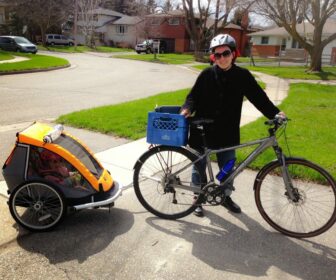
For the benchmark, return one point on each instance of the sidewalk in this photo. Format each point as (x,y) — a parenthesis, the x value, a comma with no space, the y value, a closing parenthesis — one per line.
(120,159)
(15,59)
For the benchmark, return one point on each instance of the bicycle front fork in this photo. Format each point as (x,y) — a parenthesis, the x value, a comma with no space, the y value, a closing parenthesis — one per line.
(290,190)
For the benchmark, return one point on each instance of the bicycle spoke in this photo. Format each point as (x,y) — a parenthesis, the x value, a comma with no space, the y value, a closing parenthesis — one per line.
(311,212)
(157,185)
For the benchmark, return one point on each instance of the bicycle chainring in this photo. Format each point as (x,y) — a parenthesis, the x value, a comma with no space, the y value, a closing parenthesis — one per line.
(213,194)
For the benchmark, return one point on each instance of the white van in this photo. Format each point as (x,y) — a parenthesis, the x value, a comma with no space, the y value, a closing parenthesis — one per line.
(57,39)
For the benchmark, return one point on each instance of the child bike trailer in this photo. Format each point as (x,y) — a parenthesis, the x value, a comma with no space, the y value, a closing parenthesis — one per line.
(50,172)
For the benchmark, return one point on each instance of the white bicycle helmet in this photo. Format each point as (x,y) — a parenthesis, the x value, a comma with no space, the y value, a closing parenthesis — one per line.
(223,40)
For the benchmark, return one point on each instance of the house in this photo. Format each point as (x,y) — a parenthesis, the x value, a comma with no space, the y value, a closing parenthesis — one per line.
(4,17)
(277,41)
(110,28)
(171,27)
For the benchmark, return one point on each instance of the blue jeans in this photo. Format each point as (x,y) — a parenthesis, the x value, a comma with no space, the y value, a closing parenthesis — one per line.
(222,159)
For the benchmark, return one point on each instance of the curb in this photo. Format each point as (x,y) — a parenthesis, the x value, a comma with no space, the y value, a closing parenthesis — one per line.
(34,70)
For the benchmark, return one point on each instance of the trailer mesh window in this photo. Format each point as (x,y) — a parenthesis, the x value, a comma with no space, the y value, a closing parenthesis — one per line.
(81,153)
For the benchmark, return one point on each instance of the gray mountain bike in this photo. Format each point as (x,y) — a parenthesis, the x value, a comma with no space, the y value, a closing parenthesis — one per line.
(295,196)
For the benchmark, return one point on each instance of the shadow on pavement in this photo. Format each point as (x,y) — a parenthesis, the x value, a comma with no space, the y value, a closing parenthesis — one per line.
(249,249)
(80,236)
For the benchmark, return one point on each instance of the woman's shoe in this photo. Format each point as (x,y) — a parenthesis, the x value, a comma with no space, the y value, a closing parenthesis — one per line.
(231,205)
(199,211)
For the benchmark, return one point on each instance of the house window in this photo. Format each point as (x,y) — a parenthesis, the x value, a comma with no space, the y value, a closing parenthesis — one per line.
(2,19)
(121,29)
(155,21)
(174,21)
(296,45)
(283,44)
(264,40)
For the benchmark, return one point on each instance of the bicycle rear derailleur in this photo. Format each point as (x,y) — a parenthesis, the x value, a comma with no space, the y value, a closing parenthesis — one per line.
(213,194)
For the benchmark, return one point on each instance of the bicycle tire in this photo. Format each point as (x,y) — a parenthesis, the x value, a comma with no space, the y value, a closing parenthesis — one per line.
(151,188)
(314,210)
(37,206)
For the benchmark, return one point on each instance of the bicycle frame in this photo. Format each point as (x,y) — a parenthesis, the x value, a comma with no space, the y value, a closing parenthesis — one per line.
(264,144)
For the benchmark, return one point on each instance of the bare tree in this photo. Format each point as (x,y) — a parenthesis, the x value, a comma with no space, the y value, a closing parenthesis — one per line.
(290,13)
(41,13)
(196,23)
(205,17)
(86,19)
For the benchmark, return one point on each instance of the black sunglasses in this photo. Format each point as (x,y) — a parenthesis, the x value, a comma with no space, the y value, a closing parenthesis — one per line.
(225,53)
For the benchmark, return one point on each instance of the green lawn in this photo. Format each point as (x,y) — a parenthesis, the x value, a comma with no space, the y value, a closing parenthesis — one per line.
(289,72)
(310,132)
(168,58)
(296,72)
(126,119)
(5,56)
(80,49)
(35,62)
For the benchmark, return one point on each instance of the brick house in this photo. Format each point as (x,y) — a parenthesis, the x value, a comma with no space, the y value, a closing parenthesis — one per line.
(277,41)
(171,28)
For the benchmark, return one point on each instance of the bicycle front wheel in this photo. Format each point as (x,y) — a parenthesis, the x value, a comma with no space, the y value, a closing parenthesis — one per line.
(164,195)
(310,212)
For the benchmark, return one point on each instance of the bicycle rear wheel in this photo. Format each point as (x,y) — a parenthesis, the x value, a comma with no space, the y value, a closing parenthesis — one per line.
(158,191)
(311,212)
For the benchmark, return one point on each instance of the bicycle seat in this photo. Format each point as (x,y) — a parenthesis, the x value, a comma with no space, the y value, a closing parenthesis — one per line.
(200,121)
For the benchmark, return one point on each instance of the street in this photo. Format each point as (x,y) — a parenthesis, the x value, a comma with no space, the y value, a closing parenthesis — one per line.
(92,80)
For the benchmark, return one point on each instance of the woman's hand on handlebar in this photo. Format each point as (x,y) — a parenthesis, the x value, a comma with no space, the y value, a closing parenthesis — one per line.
(281,115)
(186,112)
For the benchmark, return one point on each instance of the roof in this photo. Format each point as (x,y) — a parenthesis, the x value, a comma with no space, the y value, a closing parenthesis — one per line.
(305,27)
(127,20)
(174,13)
(101,11)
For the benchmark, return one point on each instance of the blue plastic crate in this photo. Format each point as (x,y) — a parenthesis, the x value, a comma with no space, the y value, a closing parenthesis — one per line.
(167,129)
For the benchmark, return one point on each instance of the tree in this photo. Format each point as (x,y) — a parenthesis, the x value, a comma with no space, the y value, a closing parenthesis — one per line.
(289,13)
(203,21)
(87,22)
(44,14)
(167,6)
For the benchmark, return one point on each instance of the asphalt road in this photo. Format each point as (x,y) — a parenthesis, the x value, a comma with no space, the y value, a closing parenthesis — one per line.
(92,80)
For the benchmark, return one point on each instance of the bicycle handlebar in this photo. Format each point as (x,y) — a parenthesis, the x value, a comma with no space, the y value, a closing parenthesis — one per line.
(277,121)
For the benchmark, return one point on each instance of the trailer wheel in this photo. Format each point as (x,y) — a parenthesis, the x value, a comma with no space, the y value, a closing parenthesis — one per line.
(37,206)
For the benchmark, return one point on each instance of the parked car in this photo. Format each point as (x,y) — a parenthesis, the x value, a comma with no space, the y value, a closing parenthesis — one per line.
(151,45)
(17,44)
(57,39)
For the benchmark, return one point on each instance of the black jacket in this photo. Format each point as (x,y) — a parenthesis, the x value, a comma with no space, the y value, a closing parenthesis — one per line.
(219,95)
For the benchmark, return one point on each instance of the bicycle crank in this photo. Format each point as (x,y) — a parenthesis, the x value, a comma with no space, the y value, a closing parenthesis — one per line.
(213,194)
